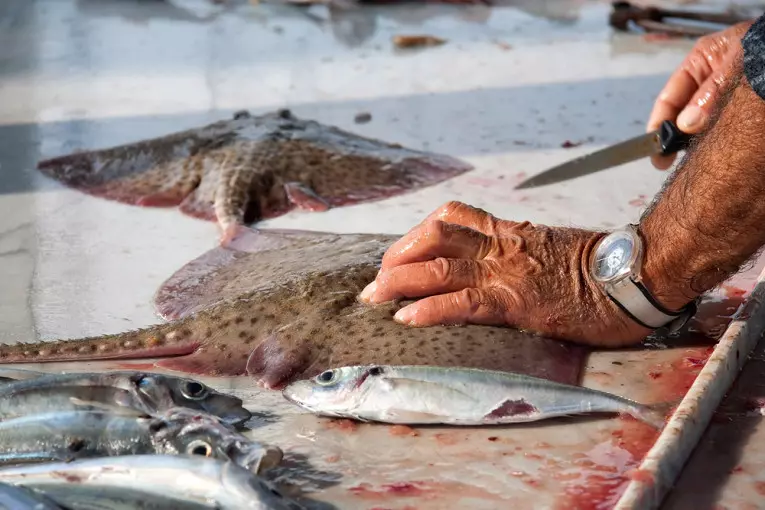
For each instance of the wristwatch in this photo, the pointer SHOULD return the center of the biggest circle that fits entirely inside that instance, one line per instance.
(616, 266)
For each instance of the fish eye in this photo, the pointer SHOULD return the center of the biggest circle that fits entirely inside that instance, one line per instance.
(327, 377)
(375, 371)
(194, 390)
(199, 447)
(144, 382)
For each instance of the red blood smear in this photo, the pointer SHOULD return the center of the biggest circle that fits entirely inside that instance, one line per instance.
(400, 489)
(342, 424)
(654, 374)
(599, 486)
(640, 475)
(695, 362)
(402, 430)
(760, 487)
(733, 292)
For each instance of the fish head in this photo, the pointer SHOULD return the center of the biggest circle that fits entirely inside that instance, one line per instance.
(334, 392)
(190, 432)
(164, 392)
(258, 492)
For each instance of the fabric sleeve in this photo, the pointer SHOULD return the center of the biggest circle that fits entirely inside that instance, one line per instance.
(753, 44)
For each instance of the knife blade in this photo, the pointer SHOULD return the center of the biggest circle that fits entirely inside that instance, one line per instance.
(668, 139)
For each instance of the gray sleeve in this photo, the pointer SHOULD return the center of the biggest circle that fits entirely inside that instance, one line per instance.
(753, 43)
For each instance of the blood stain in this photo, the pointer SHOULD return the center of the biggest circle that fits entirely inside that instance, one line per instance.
(568, 144)
(512, 408)
(640, 475)
(760, 488)
(733, 292)
(654, 374)
(446, 438)
(402, 430)
(342, 424)
(493, 438)
(599, 485)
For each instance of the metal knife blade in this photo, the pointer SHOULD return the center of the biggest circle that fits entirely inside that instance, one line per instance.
(665, 140)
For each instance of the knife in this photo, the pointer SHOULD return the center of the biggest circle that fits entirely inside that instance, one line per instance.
(668, 139)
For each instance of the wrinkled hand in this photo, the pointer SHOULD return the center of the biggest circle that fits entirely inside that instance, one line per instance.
(694, 87)
(470, 267)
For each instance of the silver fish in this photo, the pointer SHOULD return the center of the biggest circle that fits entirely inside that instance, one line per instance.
(453, 396)
(204, 434)
(150, 482)
(146, 392)
(13, 497)
(70, 435)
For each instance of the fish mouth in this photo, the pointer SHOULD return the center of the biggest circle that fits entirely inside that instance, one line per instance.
(258, 458)
(234, 417)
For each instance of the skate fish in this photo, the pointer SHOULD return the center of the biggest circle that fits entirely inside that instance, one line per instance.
(282, 305)
(250, 167)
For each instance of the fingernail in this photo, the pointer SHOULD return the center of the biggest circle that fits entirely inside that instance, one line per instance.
(690, 117)
(368, 291)
(405, 315)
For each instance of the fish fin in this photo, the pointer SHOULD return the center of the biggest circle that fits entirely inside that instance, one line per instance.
(304, 197)
(655, 415)
(272, 366)
(157, 172)
(196, 285)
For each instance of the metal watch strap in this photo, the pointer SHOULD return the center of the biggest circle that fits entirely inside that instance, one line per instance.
(635, 300)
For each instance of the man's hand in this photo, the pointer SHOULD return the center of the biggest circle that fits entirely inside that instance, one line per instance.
(471, 267)
(694, 87)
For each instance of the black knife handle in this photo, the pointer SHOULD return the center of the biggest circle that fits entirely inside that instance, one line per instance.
(672, 139)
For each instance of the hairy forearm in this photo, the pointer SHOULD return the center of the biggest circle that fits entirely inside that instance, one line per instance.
(710, 217)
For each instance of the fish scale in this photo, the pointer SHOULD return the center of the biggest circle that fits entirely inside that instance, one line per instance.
(281, 305)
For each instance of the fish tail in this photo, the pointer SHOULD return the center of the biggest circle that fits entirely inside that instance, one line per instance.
(655, 415)
(156, 341)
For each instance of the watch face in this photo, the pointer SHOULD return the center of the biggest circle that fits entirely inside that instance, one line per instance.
(613, 256)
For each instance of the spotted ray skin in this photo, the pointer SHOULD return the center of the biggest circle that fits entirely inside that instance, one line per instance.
(252, 167)
(281, 305)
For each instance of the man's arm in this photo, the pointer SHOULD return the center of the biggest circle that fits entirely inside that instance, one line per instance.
(710, 217)
(466, 266)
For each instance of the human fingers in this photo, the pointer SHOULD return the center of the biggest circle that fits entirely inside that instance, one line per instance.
(680, 89)
(437, 276)
(696, 114)
(466, 215)
(437, 239)
(468, 306)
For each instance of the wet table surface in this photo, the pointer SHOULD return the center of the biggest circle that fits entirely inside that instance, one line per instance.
(509, 89)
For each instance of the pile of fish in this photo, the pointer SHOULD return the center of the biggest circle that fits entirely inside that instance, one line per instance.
(128, 440)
